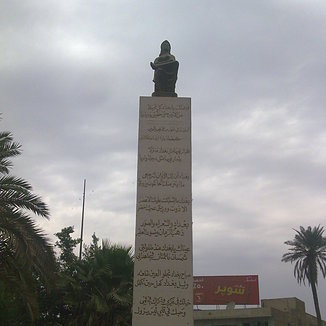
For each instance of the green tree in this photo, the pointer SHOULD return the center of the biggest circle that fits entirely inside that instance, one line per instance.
(26, 255)
(89, 251)
(308, 252)
(67, 244)
(54, 311)
(100, 292)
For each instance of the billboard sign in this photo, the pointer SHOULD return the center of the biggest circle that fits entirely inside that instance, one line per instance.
(221, 290)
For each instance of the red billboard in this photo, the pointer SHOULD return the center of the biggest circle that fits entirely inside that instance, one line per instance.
(221, 290)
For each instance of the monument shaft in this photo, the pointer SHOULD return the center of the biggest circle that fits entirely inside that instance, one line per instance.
(163, 276)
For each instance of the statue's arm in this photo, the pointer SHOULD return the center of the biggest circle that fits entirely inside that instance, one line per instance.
(161, 64)
(153, 66)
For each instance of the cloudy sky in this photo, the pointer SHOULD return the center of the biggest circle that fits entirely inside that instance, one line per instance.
(71, 73)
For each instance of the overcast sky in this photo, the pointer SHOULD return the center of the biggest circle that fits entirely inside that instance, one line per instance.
(71, 73)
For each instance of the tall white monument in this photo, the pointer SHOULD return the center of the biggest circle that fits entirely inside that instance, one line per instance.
(163, 276)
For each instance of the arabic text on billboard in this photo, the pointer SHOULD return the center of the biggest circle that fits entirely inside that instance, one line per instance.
(221, 290)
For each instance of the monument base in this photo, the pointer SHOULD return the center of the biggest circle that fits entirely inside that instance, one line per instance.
(164, 94)
(163, 272)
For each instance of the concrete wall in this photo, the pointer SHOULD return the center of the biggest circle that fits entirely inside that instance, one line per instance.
(294, 310)
(312, 321)
(275, 312)
(234, 317)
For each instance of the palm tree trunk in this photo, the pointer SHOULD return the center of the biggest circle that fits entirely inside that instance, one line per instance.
(315, 296)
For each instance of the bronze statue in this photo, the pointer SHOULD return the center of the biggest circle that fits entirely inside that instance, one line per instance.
(165, 72)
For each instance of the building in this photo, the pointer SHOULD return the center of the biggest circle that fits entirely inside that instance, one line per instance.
(273, 312)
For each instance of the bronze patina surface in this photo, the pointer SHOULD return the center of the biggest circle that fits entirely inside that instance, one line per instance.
(165, 72)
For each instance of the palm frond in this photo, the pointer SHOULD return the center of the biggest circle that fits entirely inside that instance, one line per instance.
(101, 290)
(27, 243)
(16, 193)
(308, 252)
(8, 148)
(25, 253)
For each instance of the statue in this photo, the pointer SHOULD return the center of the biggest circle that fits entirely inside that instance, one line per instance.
(165, 72)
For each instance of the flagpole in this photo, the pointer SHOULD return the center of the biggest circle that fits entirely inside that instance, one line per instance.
(82, 222)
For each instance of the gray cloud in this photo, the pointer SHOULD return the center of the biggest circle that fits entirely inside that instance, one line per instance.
(71, 75)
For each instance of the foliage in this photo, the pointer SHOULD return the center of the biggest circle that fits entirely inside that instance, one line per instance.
(37, 288)
(96, 290)
(53, 310)
(308, 252)
(26, 256)
(89, 251)
(67, 244)
(100, 292)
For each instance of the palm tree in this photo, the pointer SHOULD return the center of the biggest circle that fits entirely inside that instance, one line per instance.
(25, 253)
(100, 292)
(308, 251)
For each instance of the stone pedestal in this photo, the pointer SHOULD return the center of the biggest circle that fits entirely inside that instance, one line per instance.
(163, 277)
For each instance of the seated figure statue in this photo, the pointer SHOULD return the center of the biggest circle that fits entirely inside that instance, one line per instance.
(165, 72)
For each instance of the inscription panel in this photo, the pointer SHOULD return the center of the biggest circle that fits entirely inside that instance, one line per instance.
(163, 277)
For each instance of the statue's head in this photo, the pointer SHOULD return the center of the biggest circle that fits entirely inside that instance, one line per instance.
(165, 47)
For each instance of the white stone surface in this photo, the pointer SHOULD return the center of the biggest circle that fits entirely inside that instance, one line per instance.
(163, 277)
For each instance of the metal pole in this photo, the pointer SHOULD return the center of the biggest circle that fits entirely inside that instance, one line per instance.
(82, 222)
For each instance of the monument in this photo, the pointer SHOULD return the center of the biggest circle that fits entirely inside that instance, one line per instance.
(163, 274)
(165, 72)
